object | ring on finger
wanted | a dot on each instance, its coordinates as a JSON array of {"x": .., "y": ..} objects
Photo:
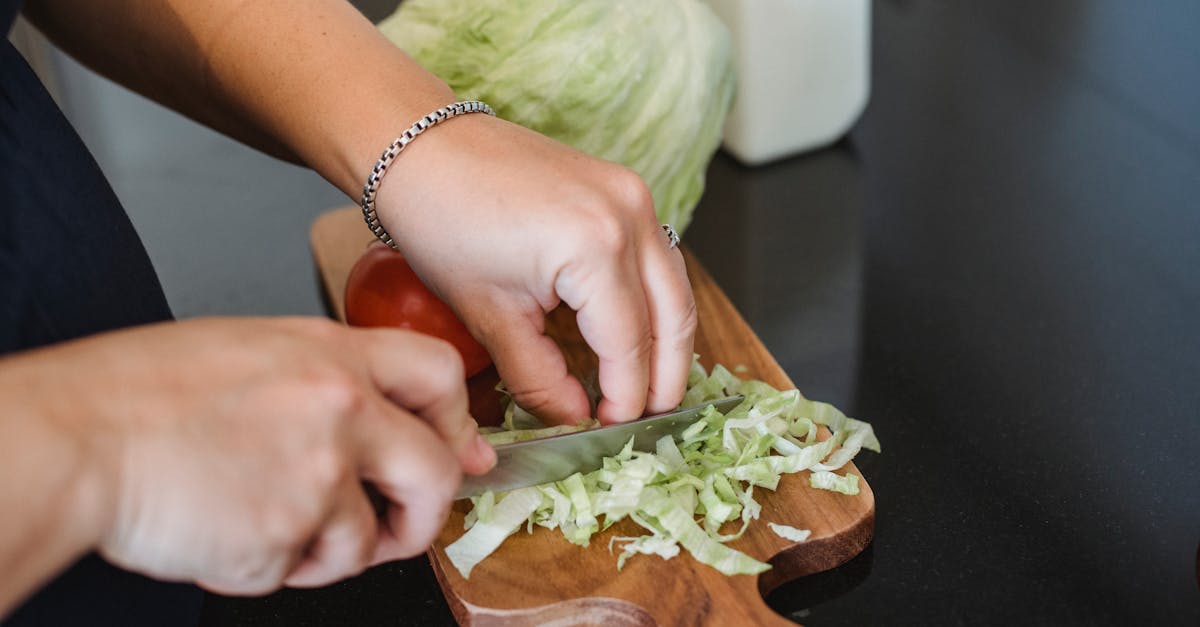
[{"x": 672, "y": 236}]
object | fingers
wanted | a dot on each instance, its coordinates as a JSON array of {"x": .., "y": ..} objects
[
  {"x": 672, "y": 323},
  {"x": 533, "y": 369},
  {"x": 425, "y": 376},
  {"x": 638, "y": 314},
  {"x": 345, "y": 545},
  {"x": 411, "y": 467},
  {"x": 615, "y": 322},
  {"x": 635, "y": 306}
]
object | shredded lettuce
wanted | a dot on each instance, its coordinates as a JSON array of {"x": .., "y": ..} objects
[
  {"x": 486, "y": 535},
  {"x": 790, "y": 533},
  {"x": 685, "y": 492},
  {"x": 661, "y": 546},
  {"x": 508, "y": 437},
  {"x": 826, "y": 480},
  {"x": 679, "y": 524}
]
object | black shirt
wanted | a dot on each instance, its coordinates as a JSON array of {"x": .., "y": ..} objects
[{"x": 71, "y": 265}]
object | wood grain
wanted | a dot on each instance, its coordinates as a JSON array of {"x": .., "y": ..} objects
[{"x": 541, "y": 578}]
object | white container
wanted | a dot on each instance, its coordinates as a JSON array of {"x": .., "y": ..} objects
[{"x": 803, "y": 74}]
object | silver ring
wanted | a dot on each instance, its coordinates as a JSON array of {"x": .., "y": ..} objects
[{"x": 672, "y": 236}]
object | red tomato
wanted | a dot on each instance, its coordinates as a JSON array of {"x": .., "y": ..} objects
[{"x": 383, "y": 291}]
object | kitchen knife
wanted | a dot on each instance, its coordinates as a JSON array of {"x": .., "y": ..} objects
[{"x": 534, "y": 462}]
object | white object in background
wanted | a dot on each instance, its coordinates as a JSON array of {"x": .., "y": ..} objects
[{"x": 803, "y": 73}]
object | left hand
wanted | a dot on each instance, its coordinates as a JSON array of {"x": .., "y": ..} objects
[{"x": 504, "y": 224}]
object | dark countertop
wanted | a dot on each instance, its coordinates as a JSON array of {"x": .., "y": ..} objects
[{"x": 1000, "y": 269}]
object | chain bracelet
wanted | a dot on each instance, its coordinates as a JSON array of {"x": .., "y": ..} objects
[{"x": 385, "y": 160}]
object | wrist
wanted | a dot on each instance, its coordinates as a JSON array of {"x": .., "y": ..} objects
[
  {"x": 63, "y": 444},
  {"x": 55, "y": 497},
  {"x": 371, "y": 189},
  {"x": 357, "y": 147}
]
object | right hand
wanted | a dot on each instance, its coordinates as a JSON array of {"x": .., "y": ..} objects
[{"x": 235, "y": 450}]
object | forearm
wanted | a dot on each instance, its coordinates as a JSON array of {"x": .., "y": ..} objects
[
  {"x": 309, "y": 80},
  {"x": 51, "y": 495}
]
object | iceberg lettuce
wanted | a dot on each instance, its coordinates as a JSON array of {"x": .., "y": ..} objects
[{"x": 644, "y": 84}]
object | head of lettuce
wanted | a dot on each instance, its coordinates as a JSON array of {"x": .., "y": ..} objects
[{"x": 645, "y": 83}]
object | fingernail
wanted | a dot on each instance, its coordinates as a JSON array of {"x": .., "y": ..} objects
[{"x": 485, "y": 452}]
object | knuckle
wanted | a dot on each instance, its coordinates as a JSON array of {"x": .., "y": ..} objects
[
  {"x": 336, "y": 391},
  {"x": 607, "y": 233},
  {"x": 632, "y": 192},
  {"x": 434, "y": 470},
  {"x": 441, "y": 363},
  {"x": 446, "y": 364},
  {"x": 328, "y": 469},
  {"x": 548, "y": 401},
  {"x": 454, "y": 431},
  {"x": 535, "y": 400}
]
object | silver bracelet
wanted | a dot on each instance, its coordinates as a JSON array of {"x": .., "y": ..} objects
[{"x": 372, "y": 187}]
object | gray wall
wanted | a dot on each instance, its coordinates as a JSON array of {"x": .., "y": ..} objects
[{"x": 226, "y": 226}]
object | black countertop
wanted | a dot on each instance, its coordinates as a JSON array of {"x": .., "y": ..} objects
[{"x": 1000, "y": 269}]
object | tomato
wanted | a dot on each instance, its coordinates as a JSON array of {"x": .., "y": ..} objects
[{"x": 383, "y": 291}]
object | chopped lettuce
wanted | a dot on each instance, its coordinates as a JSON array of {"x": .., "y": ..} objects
[
  {"x": 659, "y": 545},
  {"x": 486, "y": 535},
  {"x": 826, "y": 480},
  {"x": 679, "y": 524},
  {"x": 686, "y": 491},
  {"x": 790, "y": 533},
  {"x": 508, "y": 437}
]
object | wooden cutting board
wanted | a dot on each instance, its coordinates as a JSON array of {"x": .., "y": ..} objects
[{"x": 540, "y": 578}]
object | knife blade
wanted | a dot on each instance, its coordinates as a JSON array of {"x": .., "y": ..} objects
[{"x": 534, "y": 462}]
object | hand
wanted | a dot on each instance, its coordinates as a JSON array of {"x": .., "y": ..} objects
[
  {"x": 505, "y": 224},
  {"x": 502, "y": 222},
  {"x": 237, "y": 448}
]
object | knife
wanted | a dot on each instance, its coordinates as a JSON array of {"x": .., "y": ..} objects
[{"x": 534, "y": 462}]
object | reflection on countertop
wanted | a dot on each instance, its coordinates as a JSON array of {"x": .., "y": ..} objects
[{"x": 785, "y": 243}]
